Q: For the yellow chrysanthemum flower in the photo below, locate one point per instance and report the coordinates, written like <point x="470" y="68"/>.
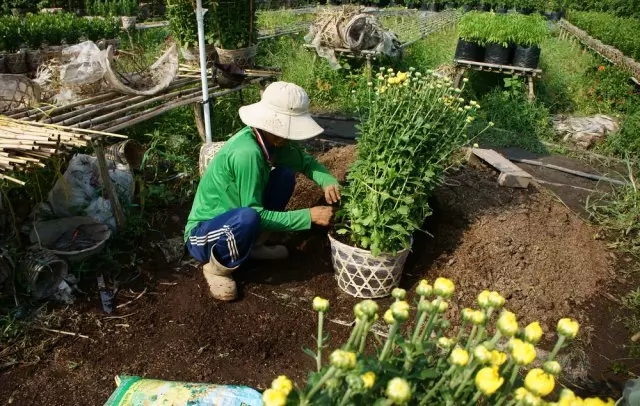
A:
<point x="568" y="327"/>
<point x="507" y="323"/>
<point x="320" y="304"/>
<point x="498" y="358"/>
<point x="398" y="391"/>
<point x="274" y="397"/>
<point x="522" y="353"/>
<point x="488" y="380"/>
<point x="283" y="384"/>
<point x="459" y="357"/>
<point x="369" y="379"/>
<point x="443" y="287"/>
<point x="539" y="382"/>
<point x="533" y="333"/>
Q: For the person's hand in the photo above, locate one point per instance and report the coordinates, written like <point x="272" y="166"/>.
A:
<point x="332" y="194"/>
<point x="321" y="215"/>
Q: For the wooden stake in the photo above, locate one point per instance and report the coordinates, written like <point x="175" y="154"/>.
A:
<point x="106" y="181"/>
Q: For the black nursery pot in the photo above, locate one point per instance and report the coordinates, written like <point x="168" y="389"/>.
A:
<point x="501" y="10"/>
<point x="497" y="54"/>
<point x="483" y="7"/>
<point x="434" y="7"/>
<point x="468" y="51"/>
<point x="450" y="5"/>
<point x="467" y="7"/>
<point x="526" y="57"/>
<point x="555" y="16"/>
<point x="525" y="11"/>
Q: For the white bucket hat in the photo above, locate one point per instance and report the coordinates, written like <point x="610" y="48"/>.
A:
<point x="283" y="111"/>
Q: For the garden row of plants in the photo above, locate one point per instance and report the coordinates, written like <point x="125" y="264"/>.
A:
<point x="501" y="39"/>
<point x="228" y="24"/>
<point x="144" y="9"/>
<point x="111" y="7"/>
<point x="622" y="33"/>
<point x="34" y="31"/>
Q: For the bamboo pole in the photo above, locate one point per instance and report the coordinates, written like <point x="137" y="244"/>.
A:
<point x="59" y="127"/>
<point x="79" y="115"/>
<point x="7" y="177"/>
<point x="125" y="122"/>
<point x="144" y="102"/>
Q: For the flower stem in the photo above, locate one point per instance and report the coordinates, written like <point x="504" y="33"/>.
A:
<point x="474" y="401"/>
<point x="471" y="336"/>
<point x="496" y="337"/>
<point x="463" y="326"/>
<point x="355" y="334"/>
<point x="436" y="386"/>
<point x="363" y="336"/>
<point x="319" y="356"/>
<point x="416" y="331"/>
<point x="559" y="344"/>
<point x="306" y="398"/>
<point x="432" y="321"/>
<point x="469" y="371"/>
<point x="387" y="346"/>
<point x="345" y="398"/>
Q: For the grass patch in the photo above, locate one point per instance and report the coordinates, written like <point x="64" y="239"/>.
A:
<point x="328" y="89"/>
<point x="281" y="18"/>
<point x="575" y="81"/>
<point x="631" y="303"/>
<point x="626" y="141"/>
<point x="618" y="213"/>
<point x="518" y="122"/>
<point x="435" y="50"/>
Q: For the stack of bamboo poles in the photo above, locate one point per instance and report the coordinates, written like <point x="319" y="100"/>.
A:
<point x="24" y="144"/>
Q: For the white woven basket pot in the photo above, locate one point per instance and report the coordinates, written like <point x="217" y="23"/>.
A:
<point x="361" y="274"/>
<point x="207" y="152"/>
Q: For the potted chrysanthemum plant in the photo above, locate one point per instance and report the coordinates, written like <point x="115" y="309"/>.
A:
<point x="412" y="124"/>
<point x="432" y="361"/>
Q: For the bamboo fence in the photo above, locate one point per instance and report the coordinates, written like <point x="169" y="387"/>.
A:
<point x="606" y="51"/>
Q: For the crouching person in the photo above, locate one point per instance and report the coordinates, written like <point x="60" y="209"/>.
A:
<point x="243" y="194"/>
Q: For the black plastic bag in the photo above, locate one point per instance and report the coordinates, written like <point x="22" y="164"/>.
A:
<point x="497" y="54"/>
<point x="527" y="57"/>
<point x="468" y="51"/>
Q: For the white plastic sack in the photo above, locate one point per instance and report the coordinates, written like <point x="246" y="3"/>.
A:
<point x="79" y="191"/>
<point x="585" y="131"/>
<point x="87" y="64"/>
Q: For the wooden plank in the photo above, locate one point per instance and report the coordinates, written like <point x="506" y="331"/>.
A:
<point x="511" y="175"/>
<point x="495" y="66"/>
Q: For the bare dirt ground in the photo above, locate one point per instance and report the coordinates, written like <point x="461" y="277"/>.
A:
<point x="524" y="243"/>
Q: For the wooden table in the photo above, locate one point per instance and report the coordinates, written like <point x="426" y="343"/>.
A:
<point x="462" y="66"/>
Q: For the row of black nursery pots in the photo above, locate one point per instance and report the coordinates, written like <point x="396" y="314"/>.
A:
<point x="431" y="6"/>
<point x="552" y="16"/>
<point x="497" y="54"/>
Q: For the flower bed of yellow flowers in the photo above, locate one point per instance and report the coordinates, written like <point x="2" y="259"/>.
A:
<point x="488" y="361"/>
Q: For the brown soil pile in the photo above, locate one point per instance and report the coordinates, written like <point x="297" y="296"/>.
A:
<point x="307" y="193"/>
<point x="536" y="252"/>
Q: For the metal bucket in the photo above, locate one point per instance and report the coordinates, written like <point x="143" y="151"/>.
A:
<point x="43" y="271"/>
<point x="126" y="152"/>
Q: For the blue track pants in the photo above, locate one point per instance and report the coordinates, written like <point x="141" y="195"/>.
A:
<point x="230" y="236"/>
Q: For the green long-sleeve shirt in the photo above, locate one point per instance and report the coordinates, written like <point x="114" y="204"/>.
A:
<point x="238" y="175"/>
